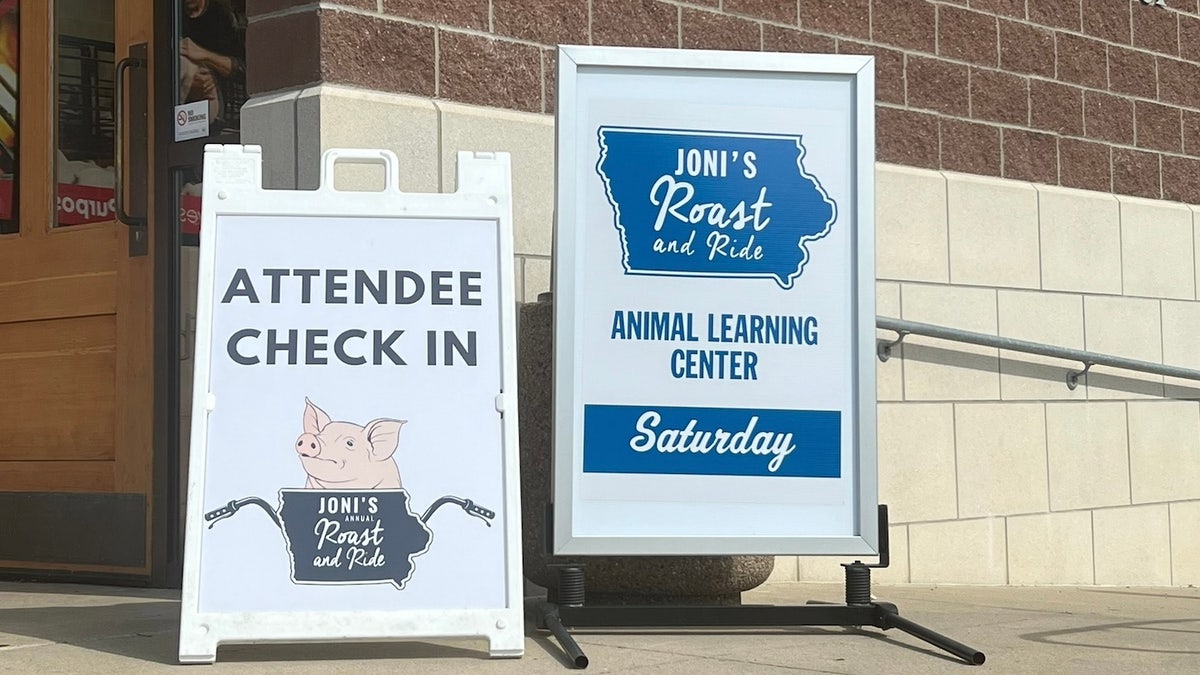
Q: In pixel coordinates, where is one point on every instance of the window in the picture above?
(86, 104)
(9, 33)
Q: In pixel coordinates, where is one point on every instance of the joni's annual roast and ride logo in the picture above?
(713, 204)
(353, 522)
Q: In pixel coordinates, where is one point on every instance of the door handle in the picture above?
(119, 138)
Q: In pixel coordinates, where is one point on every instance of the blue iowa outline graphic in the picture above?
(712, 203)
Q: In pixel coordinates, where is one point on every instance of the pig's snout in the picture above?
(307, 446)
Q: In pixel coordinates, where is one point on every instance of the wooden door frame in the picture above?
(164, 535)
(165, 527)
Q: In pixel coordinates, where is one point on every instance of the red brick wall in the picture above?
(1095, 94)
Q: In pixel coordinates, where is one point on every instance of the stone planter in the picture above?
(615, 580)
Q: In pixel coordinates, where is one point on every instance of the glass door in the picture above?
(201, 92)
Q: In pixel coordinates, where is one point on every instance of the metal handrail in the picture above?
(1088, 359)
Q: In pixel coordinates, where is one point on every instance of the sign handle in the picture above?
(361, 156)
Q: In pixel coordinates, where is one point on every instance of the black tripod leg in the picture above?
(968, 654)
(554, 623)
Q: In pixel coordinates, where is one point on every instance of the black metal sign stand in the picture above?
(566, 609)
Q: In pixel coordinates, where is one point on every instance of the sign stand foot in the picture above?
(567, 609)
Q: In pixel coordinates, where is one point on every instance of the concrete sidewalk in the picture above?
(89, 629)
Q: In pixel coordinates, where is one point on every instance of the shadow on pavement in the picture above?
(144, 630)
(88, 590)
(149, 631)
(1118, 631)
(310, 652)
(1110, 591)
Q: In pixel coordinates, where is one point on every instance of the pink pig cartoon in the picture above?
(344, 455)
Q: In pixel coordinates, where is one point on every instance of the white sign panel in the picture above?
(191, 120)
(715, 307)
(353, 473)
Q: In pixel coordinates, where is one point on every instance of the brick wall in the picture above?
(1094, 94)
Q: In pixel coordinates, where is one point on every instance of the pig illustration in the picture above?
(344, 455)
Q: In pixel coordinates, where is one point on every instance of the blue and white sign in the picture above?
(714, 290)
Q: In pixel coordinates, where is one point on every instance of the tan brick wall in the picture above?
(1095, 94)
(994, 471)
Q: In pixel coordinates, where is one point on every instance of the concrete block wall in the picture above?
(995, 472)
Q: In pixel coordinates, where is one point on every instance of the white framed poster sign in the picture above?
(714, 292)
(353, 471)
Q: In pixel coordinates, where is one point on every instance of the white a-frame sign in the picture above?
(353, 471)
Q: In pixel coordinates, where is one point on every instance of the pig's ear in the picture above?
(383, 436)
(315, 419)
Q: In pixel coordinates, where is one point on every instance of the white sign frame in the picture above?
(569, 537)
(233, 187)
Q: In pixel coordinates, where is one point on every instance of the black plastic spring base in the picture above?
(569, 610)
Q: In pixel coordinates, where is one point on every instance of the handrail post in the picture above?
(1074, 375)
(884, 349)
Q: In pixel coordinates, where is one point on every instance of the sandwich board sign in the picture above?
(714, 292)
(353, 471)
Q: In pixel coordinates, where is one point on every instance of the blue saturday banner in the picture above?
(713, 204)
(711, 441)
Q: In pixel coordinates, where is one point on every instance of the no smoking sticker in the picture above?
(191, 120)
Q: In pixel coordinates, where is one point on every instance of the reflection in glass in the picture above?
(9, 32)
(212, 59)
(189, 204)
(85, 105)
